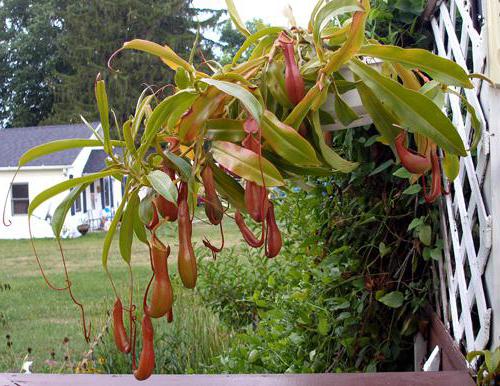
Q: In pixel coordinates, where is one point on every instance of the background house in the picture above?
(95, 205)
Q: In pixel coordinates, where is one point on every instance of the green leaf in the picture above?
(252, 39)
(300, 111)
(63, 208)
(439, 68)
(224, 129)
(242, 94)
(415, 223)
(425, 234)
(112, 229)
(451, 166)
(382, 118)
(182, 80)
(60, 145)
(162, 184)
(103, 107)
(127, 227)
(139, 229)
(414, 110)
(323, 326)
(229, 188)
(412, 189)
(383, 249)
(182, 166)
(329, 11)
(475, 122)
(145, 211)
(128, 136)
(382, 167)
(295, 170)
(235, 17)
(165, 53)
(402, 173)
(329, 155)
(246, 164)
(65, 185)
(173, 106)
(275, 82)
(393, 299)
(343, 111)
(287, 142)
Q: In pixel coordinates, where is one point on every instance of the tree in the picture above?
(93, 31)
(28, 40)
(51, 52)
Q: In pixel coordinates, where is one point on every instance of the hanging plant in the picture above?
(248, 127)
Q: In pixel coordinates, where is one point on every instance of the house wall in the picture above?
(38, 180)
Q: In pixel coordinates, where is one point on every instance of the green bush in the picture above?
(347, 291)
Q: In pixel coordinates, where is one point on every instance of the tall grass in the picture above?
(186, 345)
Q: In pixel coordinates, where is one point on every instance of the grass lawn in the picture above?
(37, 318)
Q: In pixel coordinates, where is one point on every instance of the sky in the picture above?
(270, 11)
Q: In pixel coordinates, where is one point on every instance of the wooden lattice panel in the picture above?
(465, 219)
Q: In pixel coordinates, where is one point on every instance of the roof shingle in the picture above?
(14, 142)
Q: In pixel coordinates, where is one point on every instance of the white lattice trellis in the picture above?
(466, 220)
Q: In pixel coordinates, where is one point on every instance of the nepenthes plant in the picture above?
(239, 130)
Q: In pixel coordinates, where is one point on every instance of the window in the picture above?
(77, 204)
(20, 199)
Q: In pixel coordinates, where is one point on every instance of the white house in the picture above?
(94, 207)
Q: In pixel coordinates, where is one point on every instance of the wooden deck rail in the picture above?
(461, 378)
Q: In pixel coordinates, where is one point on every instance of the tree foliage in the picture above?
(51, 51)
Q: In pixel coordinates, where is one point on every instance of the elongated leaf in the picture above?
(103, 107)
(287, 142)
(146, 209)
(343, 111)
(61, 211)
(65, 185)
(475, 122)
(139, 229)
(355, 39)
(128, 136)
(235, 17)
(127, 227)
(275, 82)
(263, 47)
(300, 111)
(245, 163)
(165, 53)
(242, 94)
(224, 129)
(174, 105)
(139, 114)
(112, 230)
(252, 39)
(451, 166)
(331, 10)
(415, 111)
(162, 184)
(60, 145)
(295, 170)
(382, 118)
(183, 166)
(439, 68)
(314, 12)
(329, 155)
(229, 188)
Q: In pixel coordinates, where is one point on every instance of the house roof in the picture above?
(14, 142)
(95, 162)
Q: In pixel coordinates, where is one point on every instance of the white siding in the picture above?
(38, 180)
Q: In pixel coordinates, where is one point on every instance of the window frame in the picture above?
(18, 199)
